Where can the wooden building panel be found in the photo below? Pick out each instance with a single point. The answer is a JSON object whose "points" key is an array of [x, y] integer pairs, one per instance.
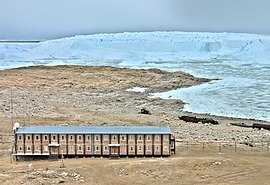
{"points": [[20, 148], [20, 143], [45, 143], [157, 144], [131, 144], [71, 144], [105, 144], [80, 144], [97, 144], [166, 144], [54, 139], [148, 144], [37, 143], [88, 144], [140, 144], [80, 149], [63, 143], [123, 144], [28, 144], [114, 139]]}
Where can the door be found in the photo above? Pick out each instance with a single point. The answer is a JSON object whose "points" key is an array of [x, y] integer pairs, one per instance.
{"points": [[114, 150], [54, 150]]}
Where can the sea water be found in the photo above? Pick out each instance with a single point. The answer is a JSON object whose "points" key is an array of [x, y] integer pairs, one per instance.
{"points": [[243, 89]]}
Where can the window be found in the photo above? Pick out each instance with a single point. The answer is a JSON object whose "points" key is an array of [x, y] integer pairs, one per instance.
{"points": [[28, 148], [97, 148], [131, 137], [149, 138], [106, 137], [105, 148], [123, 138], [80, 148], [71, 138], [37, 138], [54, 138], [28, 138], [20, 137], [148, 148], [114, 138], [157, 149], [88, 138], [131, 148], [71, 148], [140, 148], [165, 137], [139, 137], [97, 138], [88, 148], [45, 138], [63, 138], [157, 137], [79, 138], [20, 148]]}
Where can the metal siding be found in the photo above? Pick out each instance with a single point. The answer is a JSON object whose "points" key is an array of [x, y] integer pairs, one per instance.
{"points": [[94, 130]]}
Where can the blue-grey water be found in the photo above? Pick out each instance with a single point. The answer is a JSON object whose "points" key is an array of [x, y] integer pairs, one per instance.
{"points": [[243, 91]]}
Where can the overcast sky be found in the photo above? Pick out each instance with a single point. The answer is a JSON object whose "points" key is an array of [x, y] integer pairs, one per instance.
{"points": [[34, 19]]}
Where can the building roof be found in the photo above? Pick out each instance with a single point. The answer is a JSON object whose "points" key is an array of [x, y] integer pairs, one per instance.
{"points": [[94, 130]]}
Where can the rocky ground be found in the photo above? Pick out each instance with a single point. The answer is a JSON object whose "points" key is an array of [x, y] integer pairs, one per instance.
{"points": [[77, 95]]}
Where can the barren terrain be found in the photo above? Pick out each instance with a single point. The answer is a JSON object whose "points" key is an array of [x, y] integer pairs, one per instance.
{"points": [[78, 95]]}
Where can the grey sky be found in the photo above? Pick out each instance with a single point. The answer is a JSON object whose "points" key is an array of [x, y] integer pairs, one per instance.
{"points": [[34, 19]]}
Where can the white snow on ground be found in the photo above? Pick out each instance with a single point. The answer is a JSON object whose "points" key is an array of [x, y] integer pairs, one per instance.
{"points": [[137, 89]]}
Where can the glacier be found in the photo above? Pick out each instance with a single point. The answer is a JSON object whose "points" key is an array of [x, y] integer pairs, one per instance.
{"points": [[241, 60], [148, 46]]}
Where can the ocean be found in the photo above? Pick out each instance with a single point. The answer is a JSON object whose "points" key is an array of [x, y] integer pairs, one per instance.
{"points": [[241, 62]]}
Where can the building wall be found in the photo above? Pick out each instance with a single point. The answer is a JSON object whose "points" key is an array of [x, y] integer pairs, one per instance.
{"points": [[140, 144], [20, 143], [45, 143], [28, 144], [166, 150], [63, 143], [157, 144], [105, 144], [88, 144], [148, 144], [71, 144], [37, 144], [123, 144], [131, 144], [80, 144], [95, 144]]}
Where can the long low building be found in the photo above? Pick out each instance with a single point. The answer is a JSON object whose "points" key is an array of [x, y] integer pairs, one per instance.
{"points": [[94, 141]]}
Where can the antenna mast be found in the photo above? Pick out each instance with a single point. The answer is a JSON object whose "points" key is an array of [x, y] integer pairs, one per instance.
{"points": [[11, 108]]}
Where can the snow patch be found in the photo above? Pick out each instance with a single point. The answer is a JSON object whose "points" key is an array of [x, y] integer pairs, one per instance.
{"points": [[137, 89]]}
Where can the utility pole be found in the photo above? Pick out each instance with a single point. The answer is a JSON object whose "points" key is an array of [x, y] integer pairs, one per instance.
{"points": [[12, 133], [11, 108]]}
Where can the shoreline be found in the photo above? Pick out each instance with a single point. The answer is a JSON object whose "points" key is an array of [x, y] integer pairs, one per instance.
{"points": [[81, 95]]}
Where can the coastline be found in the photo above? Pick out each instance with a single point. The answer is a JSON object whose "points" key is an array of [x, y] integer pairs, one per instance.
{"points": [[81, 95]]}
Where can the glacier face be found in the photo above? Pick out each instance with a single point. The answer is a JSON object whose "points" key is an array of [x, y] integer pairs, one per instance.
{"points": [[240, 60], [173, 46]]}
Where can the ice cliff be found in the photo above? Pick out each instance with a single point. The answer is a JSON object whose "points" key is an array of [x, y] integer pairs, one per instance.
{"points": [[145, 47]]}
